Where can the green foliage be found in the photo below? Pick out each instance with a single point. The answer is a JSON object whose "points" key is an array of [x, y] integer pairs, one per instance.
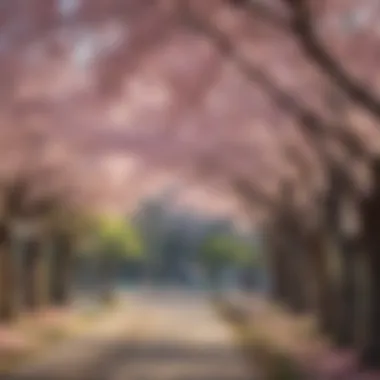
{"points": [[116, 237], [220, 251]]}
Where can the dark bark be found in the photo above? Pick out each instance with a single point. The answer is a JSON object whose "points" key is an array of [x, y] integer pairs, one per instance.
{"points": [[302, 270], [362, 311], [33, 272], [304, 284], [339, 248], [7, 277], [371, 351], [325, 299], [296, 296], [107, 274], [290, 264], [371, 225], [273, 269], [311, 281], [371, 239], [295, 282], [61, 271], [280, 284], [346, 328], [287, 280]]}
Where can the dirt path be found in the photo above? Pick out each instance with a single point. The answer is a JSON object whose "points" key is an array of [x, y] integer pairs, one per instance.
{"points": [[166, 336]]}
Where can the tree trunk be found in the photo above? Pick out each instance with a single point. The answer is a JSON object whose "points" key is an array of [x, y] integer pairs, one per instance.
{"points": [[346, 328], [280, 276], [292, 244], [107, 277], [363, 301], [7, 277], [312, 285], [295, 297], [371, 228], [299, 274], [61, 271], [325, 299], [275, 272], [285, 256], [291, 272], [371, 352], [34, 275]]}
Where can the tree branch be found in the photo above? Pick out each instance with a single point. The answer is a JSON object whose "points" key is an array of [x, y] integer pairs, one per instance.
{"points": [[303, 27]]}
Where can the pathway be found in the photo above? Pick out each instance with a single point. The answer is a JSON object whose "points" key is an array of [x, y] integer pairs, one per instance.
{"points": [[166, 336]]}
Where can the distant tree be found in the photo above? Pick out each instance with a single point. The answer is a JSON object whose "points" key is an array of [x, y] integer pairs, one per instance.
{"points": [[220, 251], [113, 240]]}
